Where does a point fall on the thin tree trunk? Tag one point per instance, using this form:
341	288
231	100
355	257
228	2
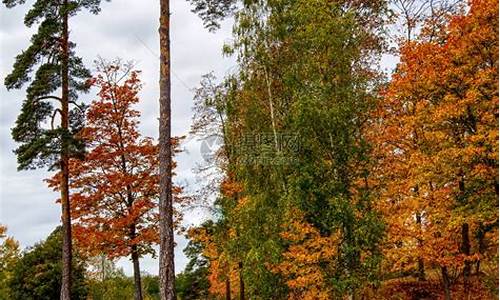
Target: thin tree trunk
465	246
271	108
228	287
103	267
64	186
242	282
166	270
421	266
421	269
466	251
481	245
446	283
137	274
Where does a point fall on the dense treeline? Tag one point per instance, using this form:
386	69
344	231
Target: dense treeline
340	183
35	273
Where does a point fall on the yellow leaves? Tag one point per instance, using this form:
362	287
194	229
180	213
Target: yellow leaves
221	268
302	262
200	234
242	203
231	188
436	140
8	246
297	231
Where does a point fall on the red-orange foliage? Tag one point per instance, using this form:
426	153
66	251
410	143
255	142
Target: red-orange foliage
115	187
222	270
436	138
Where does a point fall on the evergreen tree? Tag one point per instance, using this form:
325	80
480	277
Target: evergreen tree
193	283
47	65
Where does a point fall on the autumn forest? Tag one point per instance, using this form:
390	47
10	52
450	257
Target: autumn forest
327	171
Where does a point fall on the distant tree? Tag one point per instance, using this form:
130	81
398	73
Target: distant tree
37	275
100	267
9	256
117	286
110	284
193	283
151	287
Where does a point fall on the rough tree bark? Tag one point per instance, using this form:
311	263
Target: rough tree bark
167	273
64	186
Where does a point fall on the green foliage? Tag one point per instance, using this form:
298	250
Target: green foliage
37	275
117	286
9	256
193	283
151	287
40	67
305	69
323	97
213	12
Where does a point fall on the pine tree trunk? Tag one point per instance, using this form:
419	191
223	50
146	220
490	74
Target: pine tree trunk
137	274
64	186
167	272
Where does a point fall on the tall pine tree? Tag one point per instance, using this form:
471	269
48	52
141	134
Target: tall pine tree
49	66
166	268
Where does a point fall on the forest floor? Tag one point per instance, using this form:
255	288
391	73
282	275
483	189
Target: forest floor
481	287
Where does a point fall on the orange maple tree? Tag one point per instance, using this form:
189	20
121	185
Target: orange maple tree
114	202
436	138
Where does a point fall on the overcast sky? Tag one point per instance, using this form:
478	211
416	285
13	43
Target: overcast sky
125	29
